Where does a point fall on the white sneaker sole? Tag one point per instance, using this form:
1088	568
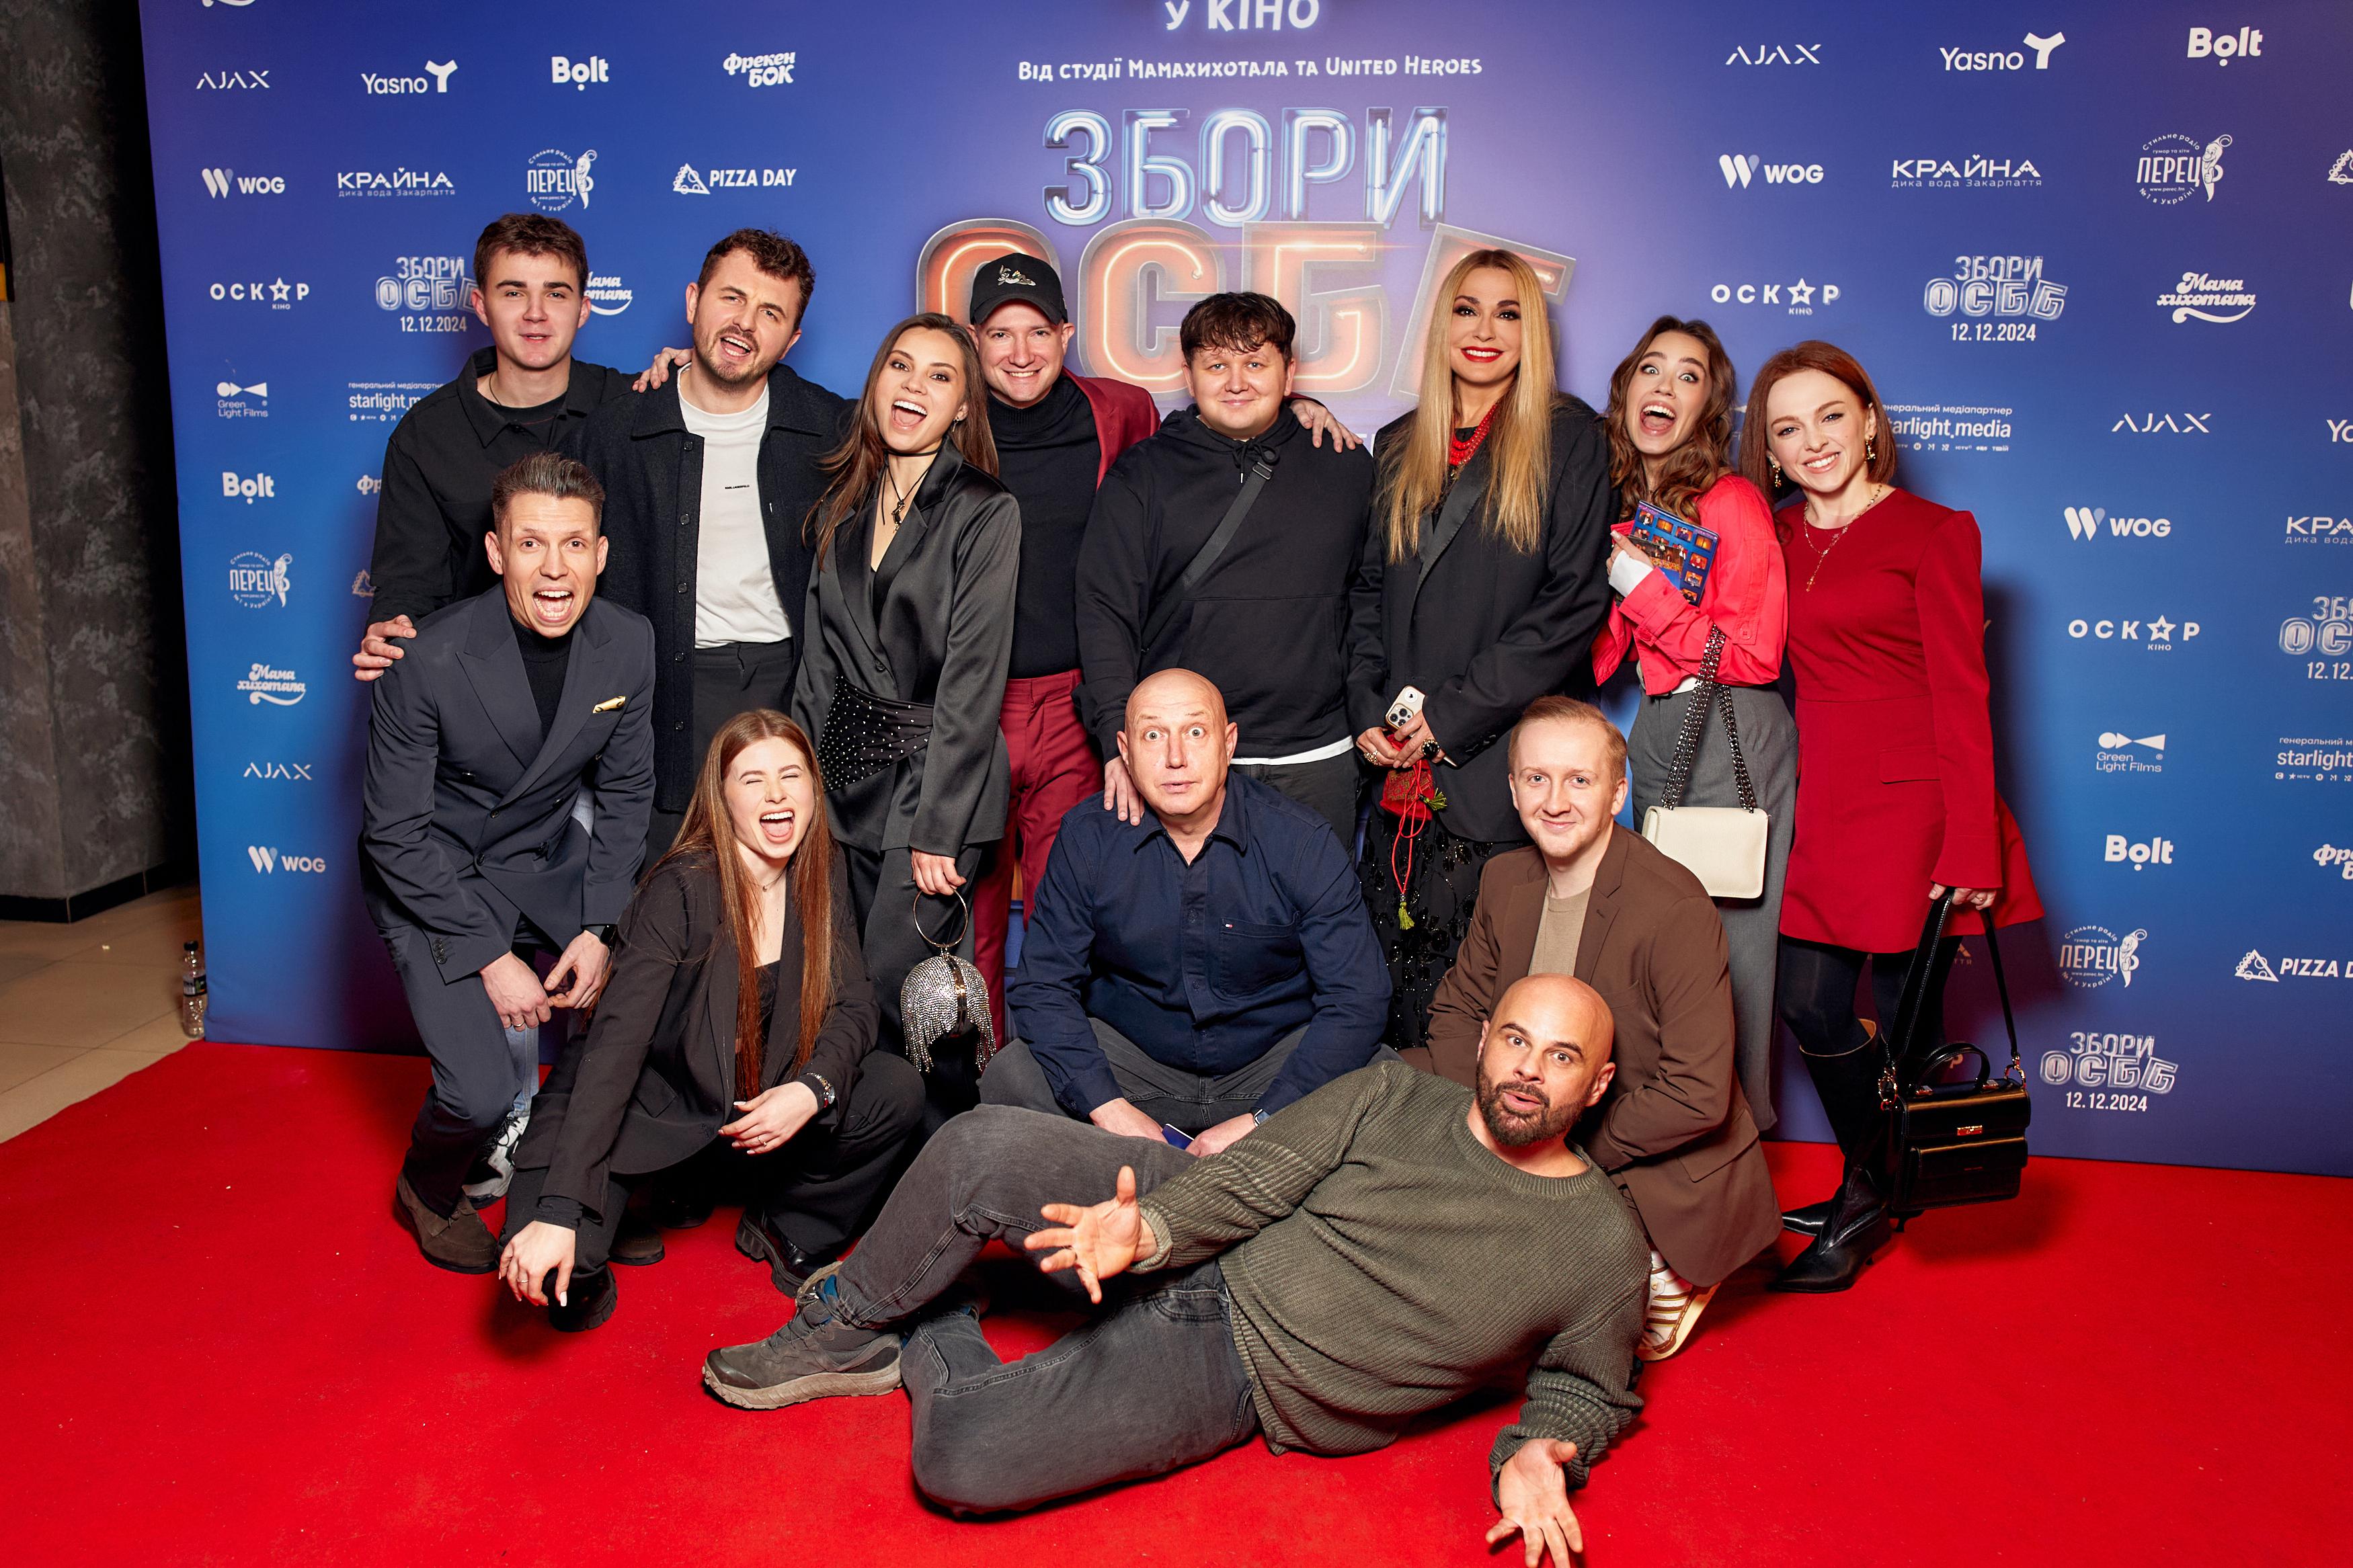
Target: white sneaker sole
799	1390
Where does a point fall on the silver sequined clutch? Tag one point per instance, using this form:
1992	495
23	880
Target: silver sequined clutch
943	996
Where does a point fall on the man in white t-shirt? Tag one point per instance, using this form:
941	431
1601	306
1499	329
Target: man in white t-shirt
708	480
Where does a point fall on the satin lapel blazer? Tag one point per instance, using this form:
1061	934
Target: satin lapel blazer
654	1078
942	633
1674	1130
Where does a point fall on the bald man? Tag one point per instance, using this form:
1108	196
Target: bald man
1384	1246
1197	970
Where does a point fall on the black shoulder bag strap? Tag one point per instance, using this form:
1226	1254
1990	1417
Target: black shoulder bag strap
1261	470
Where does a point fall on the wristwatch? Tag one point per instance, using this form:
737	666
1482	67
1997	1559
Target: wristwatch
602	933
1258	1118
824	1091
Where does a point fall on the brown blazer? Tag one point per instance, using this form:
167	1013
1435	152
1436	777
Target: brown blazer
1673	1129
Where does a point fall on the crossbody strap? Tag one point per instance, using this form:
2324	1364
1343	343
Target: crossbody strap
1261	470
1708	693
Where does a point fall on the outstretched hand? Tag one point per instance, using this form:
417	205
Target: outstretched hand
1532	1495
1101	1242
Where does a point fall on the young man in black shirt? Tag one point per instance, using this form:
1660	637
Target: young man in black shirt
524	394
1264	618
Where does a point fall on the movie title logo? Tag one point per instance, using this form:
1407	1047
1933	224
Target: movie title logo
2326	632
2091	956
376	85
1108	172
607	296
2159	634
2121	753
277	687
2109	1062
431	291
2224	46
277	293
1740	168
258	582
553	179
1797	297
221	184
2198	296
2000	299
2036	47
690	181
761	71
2175	167
394	183
231	401
1244	16
1972	172
2085	524
248	488
579	74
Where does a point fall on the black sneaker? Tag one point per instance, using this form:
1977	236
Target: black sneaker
814	1356
592	1298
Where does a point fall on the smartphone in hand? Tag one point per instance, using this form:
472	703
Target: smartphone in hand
1180	1140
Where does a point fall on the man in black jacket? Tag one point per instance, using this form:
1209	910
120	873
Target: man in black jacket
708	479
524	394
1258	608
504	710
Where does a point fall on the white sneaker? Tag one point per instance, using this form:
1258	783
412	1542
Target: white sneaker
1675	1305
495	1168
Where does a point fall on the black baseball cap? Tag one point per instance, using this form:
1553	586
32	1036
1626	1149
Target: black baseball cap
1014	275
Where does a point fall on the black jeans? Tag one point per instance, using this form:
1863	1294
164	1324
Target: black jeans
731	678
817	1190
1151	1383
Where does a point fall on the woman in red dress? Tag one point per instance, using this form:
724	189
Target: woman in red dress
1895	788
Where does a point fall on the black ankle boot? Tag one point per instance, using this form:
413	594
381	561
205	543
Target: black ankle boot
592	1294
1808	1220
1856	1227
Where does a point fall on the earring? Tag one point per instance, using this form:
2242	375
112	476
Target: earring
1775	464
1871	448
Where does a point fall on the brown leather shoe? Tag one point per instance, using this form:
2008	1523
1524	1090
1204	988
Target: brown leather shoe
462	1242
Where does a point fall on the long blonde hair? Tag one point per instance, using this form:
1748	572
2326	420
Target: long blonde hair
1519	441
707	832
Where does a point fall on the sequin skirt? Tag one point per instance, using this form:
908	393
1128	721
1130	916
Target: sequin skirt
864	735
1421	927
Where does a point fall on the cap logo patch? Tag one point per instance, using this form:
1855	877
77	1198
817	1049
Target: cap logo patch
1008	275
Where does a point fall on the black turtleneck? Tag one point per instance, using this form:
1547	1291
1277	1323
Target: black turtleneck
544	659
1047	455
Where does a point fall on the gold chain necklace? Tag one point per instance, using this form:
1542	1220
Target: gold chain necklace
1878	494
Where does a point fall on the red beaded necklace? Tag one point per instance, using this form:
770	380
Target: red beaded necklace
1459	450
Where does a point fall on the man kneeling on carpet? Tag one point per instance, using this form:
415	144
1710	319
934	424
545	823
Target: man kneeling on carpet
1376	1250
734	1048
1592	899
508	712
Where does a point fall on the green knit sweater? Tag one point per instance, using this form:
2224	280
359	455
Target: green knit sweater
1383	1262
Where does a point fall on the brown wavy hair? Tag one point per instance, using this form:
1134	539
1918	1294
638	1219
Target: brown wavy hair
857	464
1706	457
1519	441
707	833
1756	441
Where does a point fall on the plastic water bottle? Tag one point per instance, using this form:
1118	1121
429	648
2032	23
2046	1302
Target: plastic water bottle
192	992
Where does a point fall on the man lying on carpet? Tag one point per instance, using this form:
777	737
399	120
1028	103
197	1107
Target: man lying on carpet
1374	1250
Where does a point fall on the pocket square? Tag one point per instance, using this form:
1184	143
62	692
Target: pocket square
609	704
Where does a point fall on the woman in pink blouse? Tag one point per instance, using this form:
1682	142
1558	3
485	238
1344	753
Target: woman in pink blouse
1669	428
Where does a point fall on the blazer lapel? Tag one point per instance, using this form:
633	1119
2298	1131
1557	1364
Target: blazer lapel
852	582
1516	918
494	667
1601	905
1469	488
918	521
585	681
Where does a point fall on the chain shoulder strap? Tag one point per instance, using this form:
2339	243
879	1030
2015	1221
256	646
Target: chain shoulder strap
1704	699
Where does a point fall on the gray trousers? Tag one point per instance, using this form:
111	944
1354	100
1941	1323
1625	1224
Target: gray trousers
1188	1101
1752	927
1150	1383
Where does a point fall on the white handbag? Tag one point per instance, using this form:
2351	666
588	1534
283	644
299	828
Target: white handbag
1723	846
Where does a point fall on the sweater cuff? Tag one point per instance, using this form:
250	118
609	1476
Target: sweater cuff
1157	1230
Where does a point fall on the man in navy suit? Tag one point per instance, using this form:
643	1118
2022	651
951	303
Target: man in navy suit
509	711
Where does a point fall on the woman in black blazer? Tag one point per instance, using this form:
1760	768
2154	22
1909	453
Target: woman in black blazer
907	635
1484	580
737	1029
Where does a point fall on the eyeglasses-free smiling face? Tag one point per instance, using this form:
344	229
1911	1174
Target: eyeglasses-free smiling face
1817	430
1021	351
533	307
1563	786
1237	391
744	320
1483	327
771	798
920	395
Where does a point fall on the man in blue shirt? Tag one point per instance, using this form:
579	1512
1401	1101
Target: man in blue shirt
1203	968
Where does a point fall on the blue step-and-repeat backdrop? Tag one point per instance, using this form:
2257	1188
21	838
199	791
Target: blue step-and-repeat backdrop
2096	256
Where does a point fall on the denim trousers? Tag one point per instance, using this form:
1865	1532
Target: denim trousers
1151	1382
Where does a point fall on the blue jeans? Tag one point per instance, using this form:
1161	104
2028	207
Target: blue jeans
1152	1383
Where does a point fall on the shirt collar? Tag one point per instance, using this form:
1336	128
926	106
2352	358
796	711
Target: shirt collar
488	418
1233	819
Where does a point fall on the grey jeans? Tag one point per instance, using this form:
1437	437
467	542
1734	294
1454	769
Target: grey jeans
1151	1382
1188	1101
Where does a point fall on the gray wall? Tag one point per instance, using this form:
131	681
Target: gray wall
93	679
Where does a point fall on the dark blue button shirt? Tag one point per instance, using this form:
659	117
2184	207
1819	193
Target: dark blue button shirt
1205	966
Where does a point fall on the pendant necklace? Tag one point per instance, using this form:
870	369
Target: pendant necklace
1878	494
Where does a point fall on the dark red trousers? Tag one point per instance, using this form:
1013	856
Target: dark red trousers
1054	768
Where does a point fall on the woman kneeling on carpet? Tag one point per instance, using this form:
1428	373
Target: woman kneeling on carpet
737	1032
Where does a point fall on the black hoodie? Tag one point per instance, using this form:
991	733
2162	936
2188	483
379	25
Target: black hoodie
1268	624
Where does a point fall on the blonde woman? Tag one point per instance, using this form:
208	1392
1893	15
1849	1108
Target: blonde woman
1484	583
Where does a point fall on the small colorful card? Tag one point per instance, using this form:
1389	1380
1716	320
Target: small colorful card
1684	551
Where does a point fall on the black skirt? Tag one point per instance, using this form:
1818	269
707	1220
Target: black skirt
1421	926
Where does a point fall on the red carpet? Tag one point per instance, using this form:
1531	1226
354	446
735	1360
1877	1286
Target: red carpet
221	1348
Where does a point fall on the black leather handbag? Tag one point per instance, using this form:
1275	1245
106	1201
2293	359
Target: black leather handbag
1951	1143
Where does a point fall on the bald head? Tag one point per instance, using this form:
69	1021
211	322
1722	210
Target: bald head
1544	1058
1177	743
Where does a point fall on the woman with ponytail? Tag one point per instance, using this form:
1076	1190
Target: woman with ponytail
736	1032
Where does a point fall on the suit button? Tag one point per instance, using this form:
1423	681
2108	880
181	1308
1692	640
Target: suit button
677	658
881	666
682	587
679	724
